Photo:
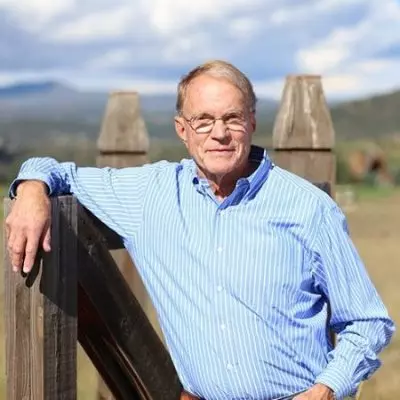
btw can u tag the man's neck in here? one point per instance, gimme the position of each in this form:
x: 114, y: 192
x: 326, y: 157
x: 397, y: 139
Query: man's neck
x: 223, y: 186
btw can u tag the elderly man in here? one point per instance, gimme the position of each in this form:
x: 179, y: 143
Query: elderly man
x: 241, y: 258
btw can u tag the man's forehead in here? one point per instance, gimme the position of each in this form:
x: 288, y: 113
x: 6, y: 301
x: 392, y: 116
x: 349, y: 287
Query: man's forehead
x: 208, y: 82
x: 201, y: 94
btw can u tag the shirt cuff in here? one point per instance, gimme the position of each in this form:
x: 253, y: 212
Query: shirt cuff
x: 337, y: 378
x: 12, y: 191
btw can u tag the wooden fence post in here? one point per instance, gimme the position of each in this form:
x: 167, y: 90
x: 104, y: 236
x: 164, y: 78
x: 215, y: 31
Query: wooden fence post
x: 124, y: 142
x: 303, y: 135
x: 41, y: 315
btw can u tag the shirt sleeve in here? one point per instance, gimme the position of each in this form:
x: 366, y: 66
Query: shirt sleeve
x: 115, y: 196
x: 358, y: 315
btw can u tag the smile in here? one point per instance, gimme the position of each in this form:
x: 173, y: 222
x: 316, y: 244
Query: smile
x: 221, y: 151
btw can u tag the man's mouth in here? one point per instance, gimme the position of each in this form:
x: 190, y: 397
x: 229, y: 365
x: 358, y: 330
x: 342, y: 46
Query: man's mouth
x: 221, y: 150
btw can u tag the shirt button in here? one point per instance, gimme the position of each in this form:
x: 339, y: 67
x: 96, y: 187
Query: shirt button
x: 223, y: 327
x: 229, y: 366
x: 219, y: 288
x: 219, y: 249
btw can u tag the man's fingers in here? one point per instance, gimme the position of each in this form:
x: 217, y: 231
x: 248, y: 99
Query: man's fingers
x: 10, y: 242
x: 30, y: 251
x: 8, y: 231
x: 46, y: 240
x: 17, y: 250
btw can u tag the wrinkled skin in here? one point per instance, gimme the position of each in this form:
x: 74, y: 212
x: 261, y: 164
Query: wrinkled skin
x: 317, y: 392
x: 222, y: 155
x: 28, y: 225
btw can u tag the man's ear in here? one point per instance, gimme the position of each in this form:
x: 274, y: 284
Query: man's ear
x: 253, y: 122
x: 180, y: 129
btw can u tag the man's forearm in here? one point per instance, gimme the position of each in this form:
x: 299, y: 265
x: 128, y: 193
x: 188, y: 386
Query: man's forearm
x: 30, y: 186
x: 355, y: 357
x: 317, y: 392
x: 45, y: 170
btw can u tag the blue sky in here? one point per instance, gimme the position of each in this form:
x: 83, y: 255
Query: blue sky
x: 146, y: 45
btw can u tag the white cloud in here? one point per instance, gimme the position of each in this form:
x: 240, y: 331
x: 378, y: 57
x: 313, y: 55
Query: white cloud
x: 158, y: 39
x: 380, y: 29
x: 348, y: 57
x: 306, y: 11
x: 269, y: 89
x: 111, y: 59
x: 321, y: 59
x: 363, y: 78
x: 108, y: 23
x: 170, y: 17
x: 35, y: 14
x: 243, y: 28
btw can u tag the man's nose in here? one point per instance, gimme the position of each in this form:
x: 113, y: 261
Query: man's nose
x: 219, y: 131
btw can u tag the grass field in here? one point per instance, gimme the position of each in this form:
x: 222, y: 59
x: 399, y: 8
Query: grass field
x: 375, y: 229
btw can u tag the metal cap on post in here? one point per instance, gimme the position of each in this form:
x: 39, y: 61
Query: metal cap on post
x: 124, y: 142
x: 303, y: 135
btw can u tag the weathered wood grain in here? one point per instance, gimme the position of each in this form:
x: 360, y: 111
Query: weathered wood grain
x: 303, y: 120
x: 303, y: 135
x: 315, y: 166
x: 41, y: 315
x: 114, y: 329
x: 123, y: 128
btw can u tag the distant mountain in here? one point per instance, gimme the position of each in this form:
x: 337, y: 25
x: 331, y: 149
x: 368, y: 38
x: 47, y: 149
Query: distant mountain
x: 54, y: 100
x: 37, y: 110
x: 48, y: 100
x: 28, y: 88
x: 31, y: 112
x: 368, y: 117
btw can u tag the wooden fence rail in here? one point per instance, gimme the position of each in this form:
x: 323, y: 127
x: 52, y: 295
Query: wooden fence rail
x: 77, y: 293
x: 41, y: 315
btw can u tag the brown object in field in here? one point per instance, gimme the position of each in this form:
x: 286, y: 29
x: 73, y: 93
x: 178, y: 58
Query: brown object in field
x: 370, y: 160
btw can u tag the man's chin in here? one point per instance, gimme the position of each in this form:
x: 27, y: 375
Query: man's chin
x: 222, y: 163
x: 219, y: 170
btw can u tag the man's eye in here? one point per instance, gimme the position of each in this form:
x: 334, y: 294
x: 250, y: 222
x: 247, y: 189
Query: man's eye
x: 233, y: 119
x: 203, y: 121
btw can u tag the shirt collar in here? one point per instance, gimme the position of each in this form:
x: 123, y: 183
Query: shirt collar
x: 250, y: 184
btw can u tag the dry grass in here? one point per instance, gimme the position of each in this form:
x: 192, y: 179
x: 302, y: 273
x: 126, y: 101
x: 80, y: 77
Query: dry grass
x: 375, y: 229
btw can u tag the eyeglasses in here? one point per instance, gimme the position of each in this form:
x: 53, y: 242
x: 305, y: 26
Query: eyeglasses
x: 204, y: 123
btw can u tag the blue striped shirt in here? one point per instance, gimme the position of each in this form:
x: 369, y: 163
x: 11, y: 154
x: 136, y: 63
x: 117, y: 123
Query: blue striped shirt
x: 241, y: 287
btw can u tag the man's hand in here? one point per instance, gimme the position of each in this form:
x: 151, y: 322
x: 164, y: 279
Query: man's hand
x: 28, y: 225
x: 317, y: 392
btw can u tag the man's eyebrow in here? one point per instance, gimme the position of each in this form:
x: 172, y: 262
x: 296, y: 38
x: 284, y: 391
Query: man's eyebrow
x: 227, y: 114
x: 233, y: 112
x: 203, y: 115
